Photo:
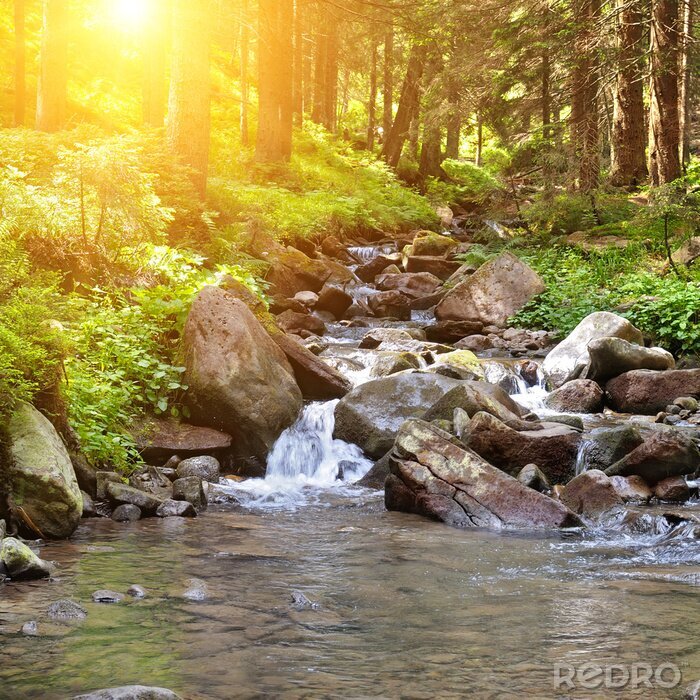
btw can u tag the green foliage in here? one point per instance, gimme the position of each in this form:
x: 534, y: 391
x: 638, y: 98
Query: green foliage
x: 327, y: 188
x: 32, y: 344
x: 473, y: 185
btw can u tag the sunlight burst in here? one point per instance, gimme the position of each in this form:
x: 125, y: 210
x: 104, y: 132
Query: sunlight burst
x: 129, y: 14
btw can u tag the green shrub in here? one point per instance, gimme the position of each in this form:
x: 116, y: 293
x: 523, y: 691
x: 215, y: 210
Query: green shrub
x: 474, y: 185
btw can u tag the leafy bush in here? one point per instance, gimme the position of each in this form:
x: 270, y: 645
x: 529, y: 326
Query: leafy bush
x: 475, y: 185
x: 32, y: 344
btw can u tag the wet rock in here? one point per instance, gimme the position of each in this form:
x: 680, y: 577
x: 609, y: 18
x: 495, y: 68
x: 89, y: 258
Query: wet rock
x: 673, y: 488
x: 433, y: 477
x: 452, y: 331
x: 3, y: 530
x: 474, y: 397
x: 38, y: 477
x: 687, y: 403
x: 376, y: 476
x: 433, y: 244
x: 392, y: 362
x: 176, y: 509
x: 136, y: 591
x: 66, y: 610
x: 307, y: 299
x: 611, y: 357
x: 412, y: 284
x: 370, y: 270
x: 126, y: 513
x: 240, y: 381
x: 553, y: 448
x: 605, y: 446
x: 532, y: 477
x: 577, y: 396
x: 130, y: 692
x: 107, y: 597
x: 316, y: 379
x: 122, y: 493
x: 435, y: 265
x: 89, y: 510
x: 568, y: 359
x: 463, y: 363
x: 692, y: 691
x: 460, y: 423
x: 301, y: 324
x: 475, y: 343
x: 103, y: 480
x: 301, y: 602
x: 30, y: 629
x: 666, y: 452
x: 160, y: 439
x: 494, y: 293
x: 190, y: 489
x: 335, y: 300
x: 591, y: 494
x: 85, y: 473
x: 648, y: 392
x: 196, y: 589
x: 377, y: 337
x: 567, y: 419
x: 371, y: 414
x: 392, y: 304
x: 632, y: 489
x: 206, y: 468
x: 20, y: 562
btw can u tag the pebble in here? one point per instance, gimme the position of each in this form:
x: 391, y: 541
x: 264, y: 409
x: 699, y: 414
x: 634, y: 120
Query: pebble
x: 105, y: 596
x: 66, y: 610
x: 137, y: 591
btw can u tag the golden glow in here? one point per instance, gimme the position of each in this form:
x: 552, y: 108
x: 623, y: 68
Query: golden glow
x: 129, y: 14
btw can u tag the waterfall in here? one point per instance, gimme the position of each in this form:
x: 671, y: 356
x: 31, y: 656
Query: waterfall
x: 304, y: 462
x: 584, y: 450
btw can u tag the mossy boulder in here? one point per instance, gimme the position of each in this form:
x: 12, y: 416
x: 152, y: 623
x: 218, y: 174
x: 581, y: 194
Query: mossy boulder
x: 43, y: 490
x: 20, y: 562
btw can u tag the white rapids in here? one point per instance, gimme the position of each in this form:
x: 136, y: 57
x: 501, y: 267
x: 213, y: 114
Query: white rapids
x: 305, y: 462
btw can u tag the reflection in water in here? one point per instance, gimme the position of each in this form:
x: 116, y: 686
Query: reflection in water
x: 405, y: 604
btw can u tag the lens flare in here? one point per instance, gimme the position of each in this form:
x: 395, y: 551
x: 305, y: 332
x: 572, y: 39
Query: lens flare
x: 129, y: 14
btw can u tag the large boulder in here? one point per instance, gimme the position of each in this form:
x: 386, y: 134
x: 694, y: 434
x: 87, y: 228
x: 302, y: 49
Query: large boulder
x: 433, y: 477
x: 591, y: 494
x: 666, y: 452
x: 240, y: 381
x: 392, y: 304
x: 130, y: 692
x: 648, y: 392
x: 316, y: 379
x: 435, y: 265
x: 496, y: 291
x: 372, y: 413
x: 42, y: 488
x: 430, y: 243
x: 576, y: 396
x: 553, y: 448
x: 412, y: 284
x: 610, y: 357
x: 335, y: 300
x: 568, y: 359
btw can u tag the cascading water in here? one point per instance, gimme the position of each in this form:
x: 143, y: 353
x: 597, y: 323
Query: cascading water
x: 304, y: 462
x: 367, y: 253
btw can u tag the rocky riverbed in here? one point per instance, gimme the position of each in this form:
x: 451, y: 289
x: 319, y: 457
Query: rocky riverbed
x: 266, y: 538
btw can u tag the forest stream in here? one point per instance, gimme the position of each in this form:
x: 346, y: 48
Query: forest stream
x: 301, y: 584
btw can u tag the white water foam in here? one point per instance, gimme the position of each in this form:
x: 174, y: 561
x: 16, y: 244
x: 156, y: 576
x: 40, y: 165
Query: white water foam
x: 304, y: 463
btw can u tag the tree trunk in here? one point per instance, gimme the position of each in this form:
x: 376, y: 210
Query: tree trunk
x: 154, y: 51
x: 53, y: 74
x: 628, y: 166
x: 388, y: 89
x: 431, y: 149
x: 409, y: 105
x: 20, y: 64
x: 664, y: 126
x: 479, y: 140
x: 189, y: 119
x: 298, y: 91
x: 275, y: 84
x: 320, y: 82
x: 454, y: 118
x: 585, y: 133
x: 684, y: 99
x: 372, y: 105
x: 331, y: 75
x: 245, y: 68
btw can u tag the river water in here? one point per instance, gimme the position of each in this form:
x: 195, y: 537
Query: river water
x: 402, y: 607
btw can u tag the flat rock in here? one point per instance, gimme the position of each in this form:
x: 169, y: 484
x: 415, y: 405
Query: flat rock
x: 130, y: 692
x: 122, y: 493
x: 648, y: 392
x: 433, y: 477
